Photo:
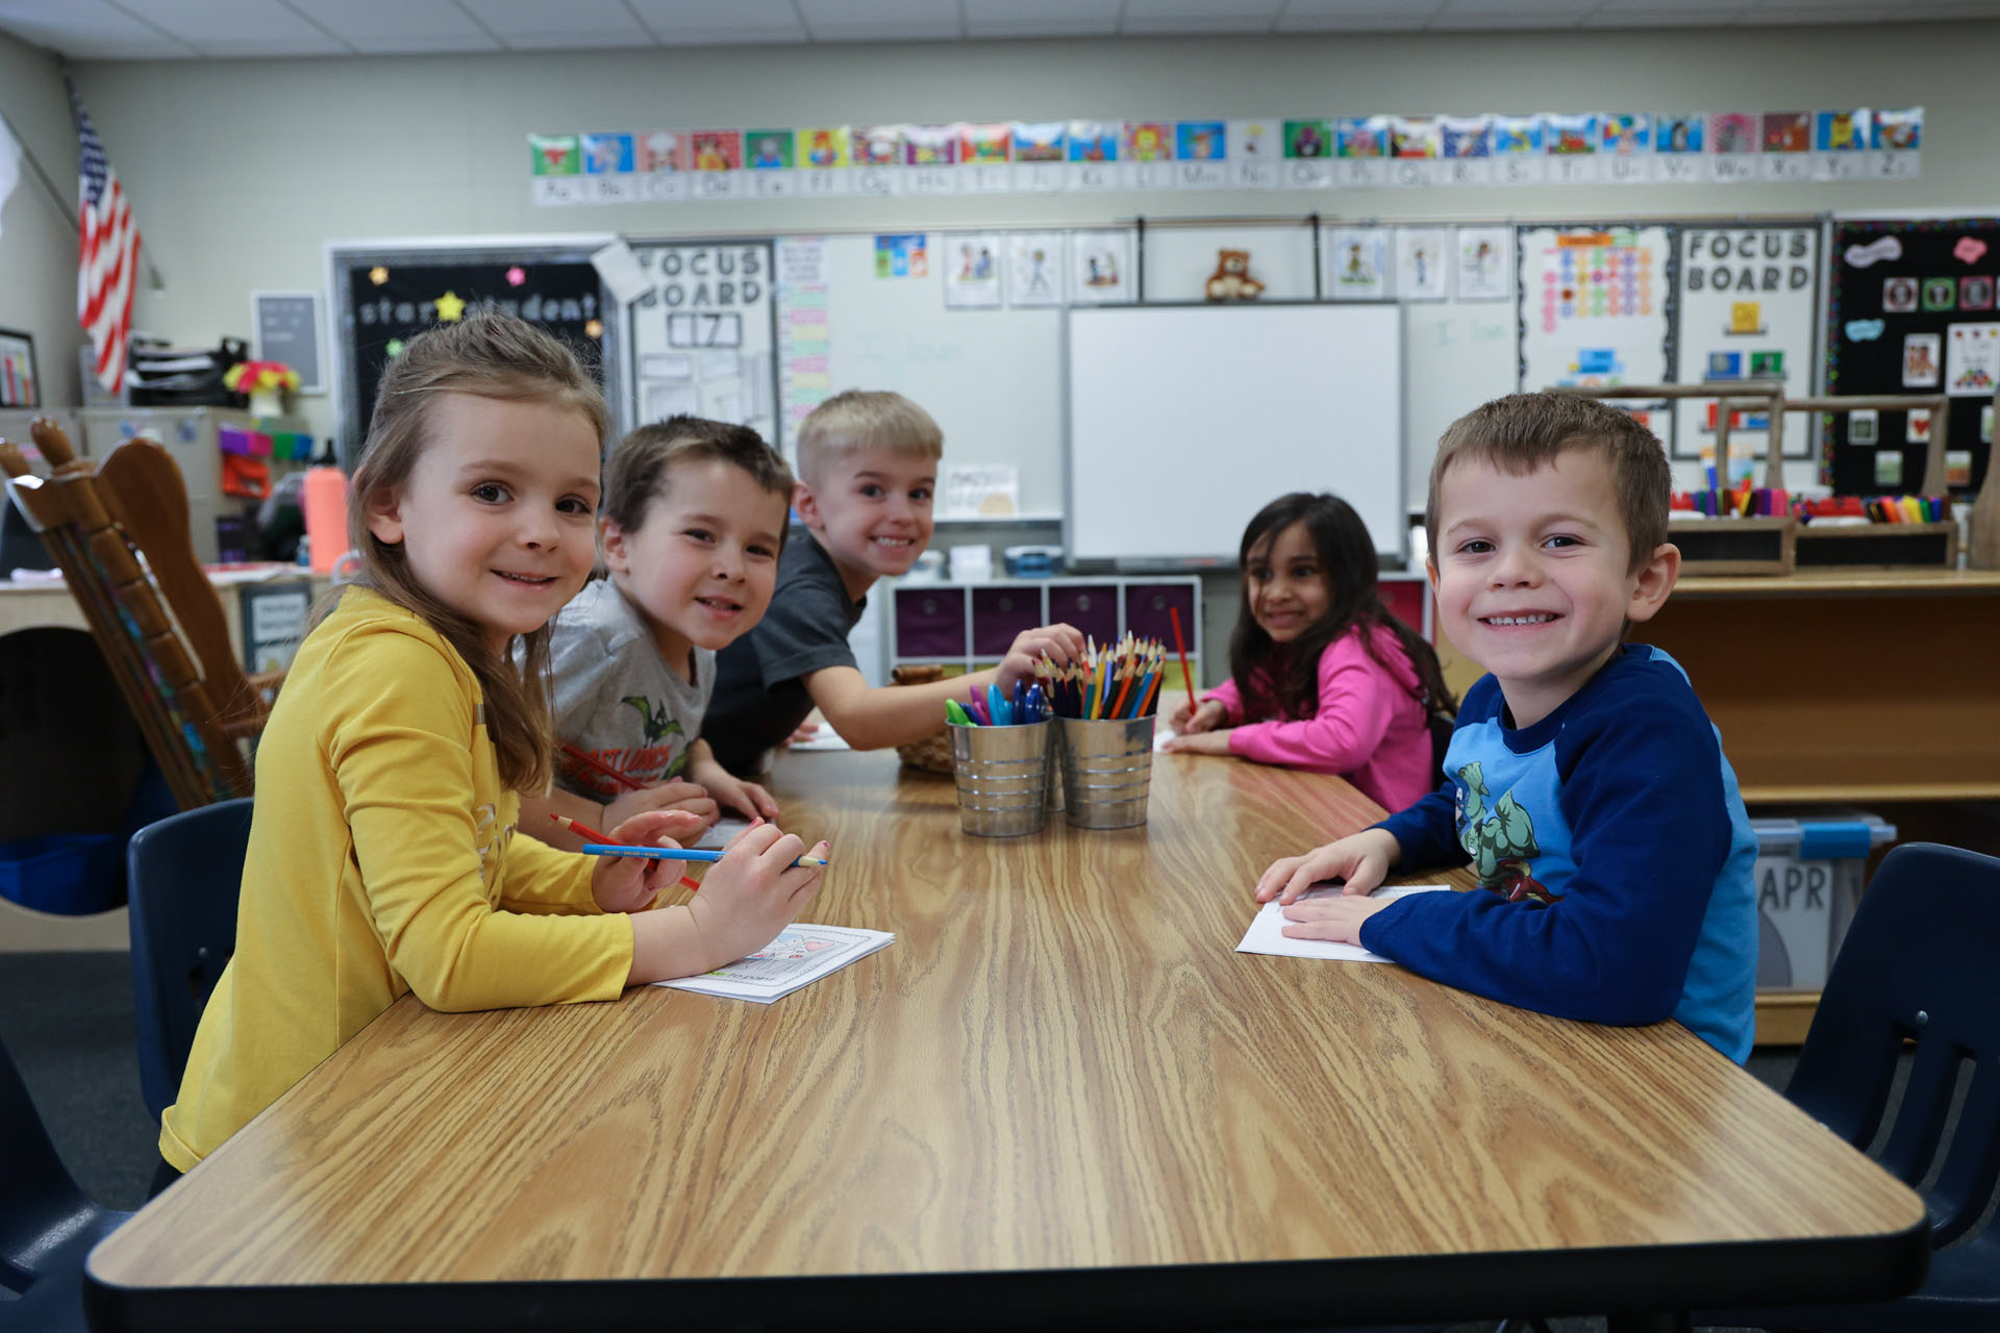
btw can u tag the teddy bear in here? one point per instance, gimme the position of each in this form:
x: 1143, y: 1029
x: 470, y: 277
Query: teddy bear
x: 1231, y: 280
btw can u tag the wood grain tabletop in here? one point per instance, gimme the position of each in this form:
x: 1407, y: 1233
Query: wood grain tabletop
x: 1060, y: 1064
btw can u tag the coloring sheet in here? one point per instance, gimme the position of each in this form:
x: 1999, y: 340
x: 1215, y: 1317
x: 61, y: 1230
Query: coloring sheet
x: 1357, y: 263
x: 972, y: 269
x: 1267, y: 928
x: 799, y: 956
x: 1421, y: 274
x: 1035, y: 268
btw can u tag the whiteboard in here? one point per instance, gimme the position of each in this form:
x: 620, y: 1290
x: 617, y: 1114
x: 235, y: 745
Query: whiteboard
x: 1459, y: 354
x: 1184, y: 421
x: 989, y: 377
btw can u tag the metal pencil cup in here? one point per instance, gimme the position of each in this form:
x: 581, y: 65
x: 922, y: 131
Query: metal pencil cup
x: 1107, y: 770
x: 1003, y: 778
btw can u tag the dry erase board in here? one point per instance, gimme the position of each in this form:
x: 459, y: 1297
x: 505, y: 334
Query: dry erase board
x: 288, y: 330
x: 1183, y: 421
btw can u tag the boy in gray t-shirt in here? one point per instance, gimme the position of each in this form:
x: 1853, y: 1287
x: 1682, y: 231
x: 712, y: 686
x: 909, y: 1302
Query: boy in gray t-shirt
x: 691, y: 526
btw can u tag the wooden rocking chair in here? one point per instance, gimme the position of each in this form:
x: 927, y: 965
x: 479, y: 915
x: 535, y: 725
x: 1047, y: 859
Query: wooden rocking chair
x: 120, y: 536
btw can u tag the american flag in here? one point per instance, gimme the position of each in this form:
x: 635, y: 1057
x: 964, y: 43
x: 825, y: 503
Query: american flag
x: 108, y: 256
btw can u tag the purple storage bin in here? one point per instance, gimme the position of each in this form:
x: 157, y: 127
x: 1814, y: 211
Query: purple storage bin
x: 930, y: 621
x: 998, y: 614
x: 1091, y: 607
x: 1147, y: 612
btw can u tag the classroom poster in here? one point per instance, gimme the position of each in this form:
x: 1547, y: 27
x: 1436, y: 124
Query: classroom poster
x: 1920, y: 360
x: 703, y: 335
x: 805, y: 343
x: 1972, y: 360
x: 1485, y: 263
x: 903, y: 255
x: 1748, y: 301
x: 972, y: 270
x: 1357, y: 263
x: 1035, y: 268
x: 1421, y: 265
x: 1100, y: 267
x: 1596, y: 305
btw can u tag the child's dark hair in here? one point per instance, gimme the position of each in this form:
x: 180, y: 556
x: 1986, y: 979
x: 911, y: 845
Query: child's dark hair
x: 490, y: 355
x: 1525, y: 431
x: 1286, y: 683
x: 641, y: 466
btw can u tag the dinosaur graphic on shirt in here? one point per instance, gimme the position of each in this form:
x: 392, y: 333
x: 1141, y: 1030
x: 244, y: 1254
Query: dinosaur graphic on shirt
x: 660, y: 727
x: 1500, y: 841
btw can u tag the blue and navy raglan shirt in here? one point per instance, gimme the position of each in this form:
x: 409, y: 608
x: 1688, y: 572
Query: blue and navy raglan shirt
x: 1617, y: 851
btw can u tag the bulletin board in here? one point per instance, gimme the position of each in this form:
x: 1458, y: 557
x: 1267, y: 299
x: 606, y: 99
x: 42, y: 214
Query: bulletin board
x: 1911, y: 309
x: 702, y: 336
x: 1597, y: 306
x: 1747, y: 301
x: 386, y: 293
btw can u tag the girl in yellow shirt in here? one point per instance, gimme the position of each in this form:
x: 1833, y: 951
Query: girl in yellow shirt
x: 382, y: 856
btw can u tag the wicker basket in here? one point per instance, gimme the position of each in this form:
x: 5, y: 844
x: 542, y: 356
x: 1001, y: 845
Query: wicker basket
x: 932, y: 754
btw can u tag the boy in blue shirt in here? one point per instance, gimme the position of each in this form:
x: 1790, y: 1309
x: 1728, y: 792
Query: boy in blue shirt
x: 1585, y: 785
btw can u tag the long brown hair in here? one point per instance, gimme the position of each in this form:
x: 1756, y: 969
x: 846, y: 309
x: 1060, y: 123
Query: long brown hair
x: 1284, y: 681
x: 494, y: 356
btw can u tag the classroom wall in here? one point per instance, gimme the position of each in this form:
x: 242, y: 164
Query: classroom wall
x: 241, y: 170
x: 37, y: 242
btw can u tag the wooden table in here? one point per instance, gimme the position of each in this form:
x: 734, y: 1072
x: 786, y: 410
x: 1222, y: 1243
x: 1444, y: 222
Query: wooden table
x: 1059, y: 1099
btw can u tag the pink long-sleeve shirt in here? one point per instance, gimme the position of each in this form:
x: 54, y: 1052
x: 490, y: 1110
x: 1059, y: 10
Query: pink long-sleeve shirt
x: 1370, y: 726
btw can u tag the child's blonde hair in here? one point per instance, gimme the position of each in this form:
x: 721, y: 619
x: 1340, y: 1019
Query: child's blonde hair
x: 864, y: 419
x: 493, y: 356
x: 1525, y: 431
x: 642, y: 465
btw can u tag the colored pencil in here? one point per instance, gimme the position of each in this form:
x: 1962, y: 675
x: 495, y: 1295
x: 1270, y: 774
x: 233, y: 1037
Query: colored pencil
x: 1180, y: 646
x: 624, y: 780
x: 676, y: 853
x: 589, y: 834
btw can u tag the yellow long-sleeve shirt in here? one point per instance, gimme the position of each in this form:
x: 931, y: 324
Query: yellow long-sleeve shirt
x: 381, y: 861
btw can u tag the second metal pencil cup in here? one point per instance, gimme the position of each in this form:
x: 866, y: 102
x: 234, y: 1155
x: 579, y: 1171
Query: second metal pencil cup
x: 1003, y: 778
x: 1107, y: 770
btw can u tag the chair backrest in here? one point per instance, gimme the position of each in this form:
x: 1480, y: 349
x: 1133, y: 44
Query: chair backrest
x: 157, y: 619
x: 1918, y: 965
x: 183, y: 874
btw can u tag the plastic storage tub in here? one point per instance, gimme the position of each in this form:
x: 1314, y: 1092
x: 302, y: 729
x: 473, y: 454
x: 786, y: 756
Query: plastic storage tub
x: 1810, y: 869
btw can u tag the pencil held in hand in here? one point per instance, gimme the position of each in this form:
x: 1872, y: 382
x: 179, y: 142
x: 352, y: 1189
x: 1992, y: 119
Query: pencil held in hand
x: 677, y: 853
x: 591, y: 835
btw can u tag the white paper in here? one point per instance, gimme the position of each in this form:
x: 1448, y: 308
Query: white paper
x: 973, y: 489
x: 1485, y: 263
x: 666, y: 366
x: 621, y: 271
x: 721, y: 831
x: 1267, y: 928
x: 825, y: 739
x: 972, y: 269
x: 1421, y: 274
x: 1035, y: 268
x: 799, y: 956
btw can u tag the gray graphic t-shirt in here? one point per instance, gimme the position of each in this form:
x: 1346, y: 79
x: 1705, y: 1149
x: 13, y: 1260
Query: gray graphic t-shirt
x: 615, y: 700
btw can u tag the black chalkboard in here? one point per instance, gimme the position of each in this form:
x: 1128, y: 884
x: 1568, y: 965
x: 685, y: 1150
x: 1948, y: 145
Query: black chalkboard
x: 1898, y: 288
x: 288, y: 330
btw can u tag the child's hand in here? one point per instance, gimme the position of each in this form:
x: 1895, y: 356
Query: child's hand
x: 1201, y: 742
x: 628, y: 883
x: 1362, y: 859
x: 753, y: 892
x: 734, y: 792
x: 1061, y: 643
x: 673, y: 794
x: 1205, y: 717
x: 1336, y: 919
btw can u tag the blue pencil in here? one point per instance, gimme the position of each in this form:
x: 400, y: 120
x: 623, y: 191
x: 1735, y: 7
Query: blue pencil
x: 675, y: 853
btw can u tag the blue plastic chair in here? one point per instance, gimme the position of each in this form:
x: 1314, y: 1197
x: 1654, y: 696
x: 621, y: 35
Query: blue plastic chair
x: 1918, y: 964
x: 47, y: 1224
x: 183, y: 874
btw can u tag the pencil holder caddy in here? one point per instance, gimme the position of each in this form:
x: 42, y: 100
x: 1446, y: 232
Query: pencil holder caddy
x: 1107, y: 770
x: 1003, y: 778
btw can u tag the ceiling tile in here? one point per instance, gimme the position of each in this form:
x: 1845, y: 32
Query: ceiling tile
x: 1654, y: 17
x: 703, y: 22
x: 1536, y: 19
x: 1174, y: 16
x: 1040, y: 18
x: 892, y: 20
x: 399, y: 26
x: 86, y: 29
x: 545, y: 25
x: 239, y: 27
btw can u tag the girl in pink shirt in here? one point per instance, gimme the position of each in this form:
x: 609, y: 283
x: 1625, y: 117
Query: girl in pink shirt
x: 1323, y: 677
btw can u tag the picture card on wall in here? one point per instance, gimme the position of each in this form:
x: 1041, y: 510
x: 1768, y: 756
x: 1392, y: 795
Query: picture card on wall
x: 1421, y: 274
x: 1100, y: 267
x: 1485, y: 263
x: 1035, y: 268
x: 1972, y: 360
x: 1359, y: 261
x: 972, y: 270
x: 1864, y: 427
x: 1920, y: 360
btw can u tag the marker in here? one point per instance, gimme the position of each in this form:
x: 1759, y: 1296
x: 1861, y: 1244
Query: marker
x: 591, y: 835
x: 675, y: 853
x: 954, y: 713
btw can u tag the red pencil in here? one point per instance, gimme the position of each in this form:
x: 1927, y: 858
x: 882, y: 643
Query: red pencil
x: 625, y: 780
x: 1180, y: 646
x: 589, y: 834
